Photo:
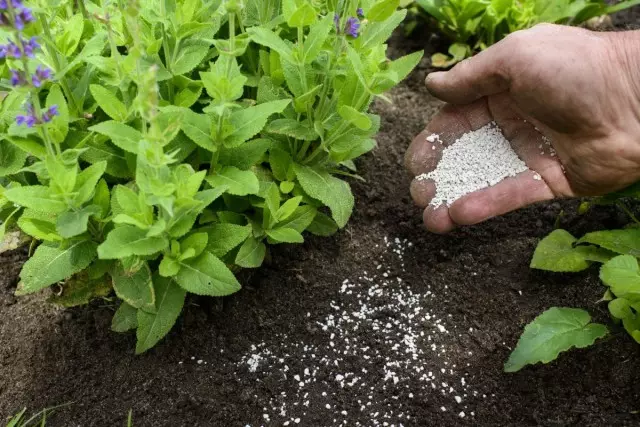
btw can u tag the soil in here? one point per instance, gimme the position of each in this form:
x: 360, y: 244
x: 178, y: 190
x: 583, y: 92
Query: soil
x: 479, y: 287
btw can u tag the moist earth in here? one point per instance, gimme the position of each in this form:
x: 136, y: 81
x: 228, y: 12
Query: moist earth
x: 437, y: 315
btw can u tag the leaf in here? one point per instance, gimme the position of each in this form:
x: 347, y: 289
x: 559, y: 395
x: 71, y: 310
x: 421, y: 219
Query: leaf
x: 355, y: 117
x: 269, y: 39
x: 292, y: 128
x: 121, y: 135
x: 102, y: 198
x: 36, y: 197
x: 80, y: 289
x: 51, y: 264
x: 626, y: 241
x: 300, y: 219
x: 39, y: 225
x: 225, y: 237
x: 620, y: 308
x: 249, y: 121
x: 285, y: 235
x: 376, y: 33
x: 188, y: 58
x: 251, y: 253
x: 303, y: 16
x: 403, y: 66
x: 331, y: 191
x: 554, y: 331
x: 382, y: 10
x: 125, y: 318
x: 322, y: 225
x: 152, y: 327
x: 12, y: 159
x: 109, y: 103
x: 127, y: 240
x: 622, y: 275
x: 58, y: 127
x: 87, y: 181
x: 288, y: 208
x: 239, y: 182
x: 74, y: 223
x: 134, y: 287
x: 317, y: 36
x: 557, y: 253
x: 246, y: 155
x: 196, y: 242
x: 207, y: 275
x: 198, y: 128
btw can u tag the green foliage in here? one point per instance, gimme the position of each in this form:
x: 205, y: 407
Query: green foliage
x: 617, y: 251
x: 473, y: 25
x: 191, y: 135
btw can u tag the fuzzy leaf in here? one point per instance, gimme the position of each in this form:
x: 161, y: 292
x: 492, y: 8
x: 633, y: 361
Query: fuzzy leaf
x: 554, y: 331
x: 355, y: 117
x: 51, y: 264
x: 74, y: 223
x: 198, y: 128
x: 292, y: 128
x: 331, y: 191
x: 128, y: 240
x: 36, y: 197
x: 246, y: 155
x: 125, y: 318
x: 322, y: 225
x: 80, y: 289
x: 121, y: 135
x: 134, y: 287
x: 239, y: 182
x: 248, y: 122
x: 269, y: 39
x: 382, y: 10
x: 556, y: 253
x: 152, y: 327
x: 12, y: 159
x: 626, y: 241
x: 225, y: 237
x: 251, y: 253
x: 188, y: 58
x: 317, y: 36
x: 622, y: 275
x: 285, y: 235
x: 109, y: 103
x: 207, y: 275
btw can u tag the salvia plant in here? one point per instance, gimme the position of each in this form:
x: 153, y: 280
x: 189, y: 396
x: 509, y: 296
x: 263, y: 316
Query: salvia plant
x: 155, y: 147
x: 474, y: 25
x: 616, y: 252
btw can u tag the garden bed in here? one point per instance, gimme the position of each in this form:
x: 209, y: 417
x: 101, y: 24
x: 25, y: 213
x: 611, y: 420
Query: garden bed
x: 383, y: 323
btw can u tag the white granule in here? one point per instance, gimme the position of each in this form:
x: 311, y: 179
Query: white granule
x: 477, y: 160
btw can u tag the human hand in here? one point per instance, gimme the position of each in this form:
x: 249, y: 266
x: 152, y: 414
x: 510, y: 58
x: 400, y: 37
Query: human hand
x: 578, y: 88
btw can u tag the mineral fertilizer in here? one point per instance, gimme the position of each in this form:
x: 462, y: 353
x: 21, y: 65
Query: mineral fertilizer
x: 477, y: 160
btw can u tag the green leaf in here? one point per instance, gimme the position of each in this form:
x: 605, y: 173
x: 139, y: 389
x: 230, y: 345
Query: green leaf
x: 403, y: 66
x: 39, y: 225
x: 239, y: 182
x: 626, y: 241
x: 188, y: 58
x: 303, y: 16
x: 318, y: 34
x: 169, y: 267
x: 87, y: 181
x: 74, y: 223
x: 251, y: 253
x: 198, y: 128
x: 622, y: 275
x: 249, y: 121
x: 246, y: 155
x: 102, y: 198
x: 69, y: 40
x: 109, y: 103
x: 125, y: 318
x: 127, y: 240
x: 225, y: 237
x: 121, y: 135
x: 197, y: 242
x: 355, y: 117
x: 51, y: 264
x: 12, y: 159
x: 207, y: 275
x: 288, y: 208
x: 376, y: 33
x: 152, y: 327
x: 557, y: 253
x: 554, y: 331
x: 331, y: 191
x: 134, y: 287
x: 280, y: 162
x: 80, y: 289
x: 382, y: 10
x: 322, y: 225
x: 58, y: 127
x: 620, y: 308
x: 36, y: 197
x: 269, y: 39
x: 292, y: 128
x: 300, y: 219
x: 285, y: 235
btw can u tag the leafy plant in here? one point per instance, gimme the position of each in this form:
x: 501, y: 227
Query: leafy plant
x: 155, y: 147
x: 617, y: 251
x: 474, y: 25
x: 40, y: 419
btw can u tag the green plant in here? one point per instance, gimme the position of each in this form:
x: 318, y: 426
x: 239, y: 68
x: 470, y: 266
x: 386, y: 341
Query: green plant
x: 40, y: 419
x: 559, y: 329
x: 473, y: 25
x: 174, y: 139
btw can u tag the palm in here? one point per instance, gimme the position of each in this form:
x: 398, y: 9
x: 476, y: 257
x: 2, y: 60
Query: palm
x: 544, y: 181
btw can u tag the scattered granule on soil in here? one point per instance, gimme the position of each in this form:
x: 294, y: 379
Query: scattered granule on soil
x: 477, y: 160
x: 380, y: 348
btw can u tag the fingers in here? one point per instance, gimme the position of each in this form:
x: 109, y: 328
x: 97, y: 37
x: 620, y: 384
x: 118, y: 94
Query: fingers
x: 449, y: 125
x: 437, y: 220
x: 481, y: 75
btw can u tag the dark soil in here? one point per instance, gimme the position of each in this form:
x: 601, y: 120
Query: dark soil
x: 51, y: 356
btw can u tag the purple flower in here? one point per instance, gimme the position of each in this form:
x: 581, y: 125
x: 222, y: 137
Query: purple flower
x: 48, y: 115
x: 11, y: 50
x: 352, y: 27
x: 30, y: 119
x: 23, y: 16
x: 4, y: 4
x: 360, y: 13
x: 336, y: 22
x: 42, y: 74
x: 30, y: 46
x: 17, y: 78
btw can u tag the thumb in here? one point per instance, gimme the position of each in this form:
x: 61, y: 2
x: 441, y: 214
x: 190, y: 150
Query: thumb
x: 476, y: 77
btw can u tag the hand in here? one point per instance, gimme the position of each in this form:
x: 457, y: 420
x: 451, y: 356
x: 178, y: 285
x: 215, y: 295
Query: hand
x: 578, y: 88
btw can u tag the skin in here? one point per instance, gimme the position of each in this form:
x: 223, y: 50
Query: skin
x: 580, y: 89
